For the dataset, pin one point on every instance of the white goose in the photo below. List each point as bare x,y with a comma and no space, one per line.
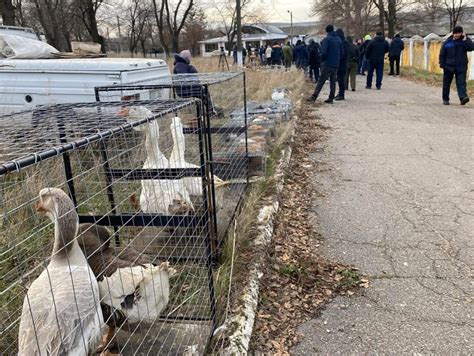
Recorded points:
164,196
177,159
61,311
132,289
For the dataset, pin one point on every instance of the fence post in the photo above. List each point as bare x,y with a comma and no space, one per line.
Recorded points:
471,71
412,51
426,57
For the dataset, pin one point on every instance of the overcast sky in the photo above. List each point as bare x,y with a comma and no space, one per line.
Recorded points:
278,10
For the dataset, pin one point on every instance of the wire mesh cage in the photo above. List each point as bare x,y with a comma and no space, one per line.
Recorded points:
135,176
220,94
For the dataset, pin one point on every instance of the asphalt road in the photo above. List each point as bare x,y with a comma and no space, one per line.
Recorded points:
397,173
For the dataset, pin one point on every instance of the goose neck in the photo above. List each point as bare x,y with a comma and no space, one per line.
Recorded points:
65,231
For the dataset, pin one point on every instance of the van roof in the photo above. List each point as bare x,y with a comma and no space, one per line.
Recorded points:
81,64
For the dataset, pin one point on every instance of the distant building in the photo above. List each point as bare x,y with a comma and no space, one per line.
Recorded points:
252,35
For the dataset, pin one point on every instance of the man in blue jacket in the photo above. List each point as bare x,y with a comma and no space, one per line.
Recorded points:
331,53
375,55
453,60
396,48
341,71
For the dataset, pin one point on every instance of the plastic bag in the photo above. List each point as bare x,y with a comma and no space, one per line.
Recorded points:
19,47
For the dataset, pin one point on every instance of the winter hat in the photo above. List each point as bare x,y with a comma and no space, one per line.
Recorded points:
186,55
379,33
329,28
349,38
340,33
458,29
367,38
397,35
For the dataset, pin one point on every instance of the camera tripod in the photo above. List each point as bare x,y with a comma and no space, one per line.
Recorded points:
223,62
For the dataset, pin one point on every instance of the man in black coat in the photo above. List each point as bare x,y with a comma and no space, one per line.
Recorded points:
453,60
353,57
375,55
396,48
314,50
342,70
331,53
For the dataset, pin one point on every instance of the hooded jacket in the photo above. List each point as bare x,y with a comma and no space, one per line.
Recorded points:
376,49
181,66
300,55
288,53
453,54
396,47
331,50
314,51
277,53
345,50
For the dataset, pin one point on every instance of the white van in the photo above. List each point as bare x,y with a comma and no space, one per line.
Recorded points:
26,83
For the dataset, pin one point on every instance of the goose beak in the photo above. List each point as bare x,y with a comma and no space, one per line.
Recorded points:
124,112
40,208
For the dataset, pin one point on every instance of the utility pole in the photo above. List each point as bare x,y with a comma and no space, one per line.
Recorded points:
240,60
119,34
291,30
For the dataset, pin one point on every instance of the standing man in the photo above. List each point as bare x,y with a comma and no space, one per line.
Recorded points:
342,70
277,54
375,55
268,54
287,56
363,48
314,52
352,63
300,55
453,60
331,53
396,48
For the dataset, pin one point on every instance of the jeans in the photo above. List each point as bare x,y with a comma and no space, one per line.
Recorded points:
314,72
326,73
341,81
378,67
460,83
365,65
351,73
394,60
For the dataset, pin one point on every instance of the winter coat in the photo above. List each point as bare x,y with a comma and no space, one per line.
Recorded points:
288,53
277,53
314,51
376,49
363,48
453,54
181,66
331,50
396,47
345,50
300,54
353,54
268,53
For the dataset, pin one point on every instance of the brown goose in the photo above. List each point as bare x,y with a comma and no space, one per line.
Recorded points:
131,288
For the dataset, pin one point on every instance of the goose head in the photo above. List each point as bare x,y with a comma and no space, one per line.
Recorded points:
136,113
59,208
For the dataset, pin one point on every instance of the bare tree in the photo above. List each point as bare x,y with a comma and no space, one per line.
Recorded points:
8,12
55,17
170,18
86,11
194,29
432,9
355,16
138,15
388,12
455,9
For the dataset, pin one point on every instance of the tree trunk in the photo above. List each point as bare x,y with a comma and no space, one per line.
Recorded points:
175,42
392,18
381,16
8,12
92,26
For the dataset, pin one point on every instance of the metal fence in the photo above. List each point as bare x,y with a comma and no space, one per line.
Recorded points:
142,179
220,95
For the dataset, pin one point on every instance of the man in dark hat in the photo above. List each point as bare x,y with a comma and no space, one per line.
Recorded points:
375,54
396,48
453,60
331,53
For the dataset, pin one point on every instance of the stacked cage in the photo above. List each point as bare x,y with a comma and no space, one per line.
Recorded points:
221,94
136,178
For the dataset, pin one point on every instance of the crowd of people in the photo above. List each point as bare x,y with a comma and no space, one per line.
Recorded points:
341,59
